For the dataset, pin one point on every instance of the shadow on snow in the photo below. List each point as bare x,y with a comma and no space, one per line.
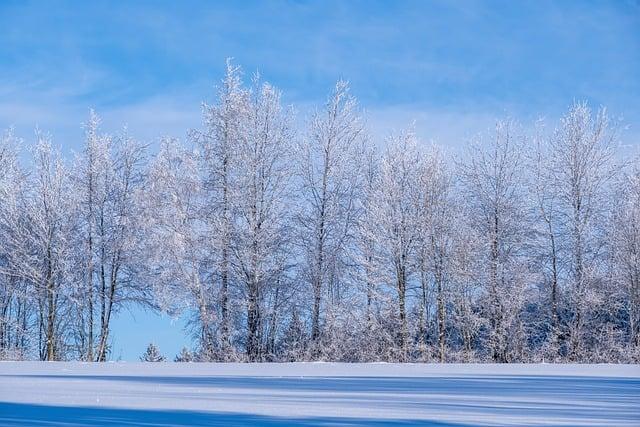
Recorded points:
15,414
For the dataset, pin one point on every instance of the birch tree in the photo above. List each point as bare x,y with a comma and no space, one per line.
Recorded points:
547,245
261,248
14,298
218,142
178,241
366,247
437,238
107,175
329,186
89,174
38,246
492,179
583,165
396,217
626,244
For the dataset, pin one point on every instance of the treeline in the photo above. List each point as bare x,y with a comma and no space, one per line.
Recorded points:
287,244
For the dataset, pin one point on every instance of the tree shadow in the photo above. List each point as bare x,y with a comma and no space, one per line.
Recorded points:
17,414
583,386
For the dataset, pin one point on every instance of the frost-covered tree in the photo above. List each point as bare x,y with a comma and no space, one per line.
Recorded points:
395,214
91,170
152,354
546,244
492,178
185,355
37,245
262,201
177,240
365,243
14,291
294,341
329,177
438,238
223,131
106,178
583,166
625,243
466,316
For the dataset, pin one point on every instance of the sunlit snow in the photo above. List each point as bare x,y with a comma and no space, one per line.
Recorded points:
168,394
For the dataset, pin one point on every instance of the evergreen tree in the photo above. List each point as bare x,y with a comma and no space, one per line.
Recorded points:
184,356
295,338
152,354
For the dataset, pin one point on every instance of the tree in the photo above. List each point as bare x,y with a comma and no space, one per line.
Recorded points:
106,177
466,317
583,166
365,242
626,252
14,291
493,187
295,339
184,356
90,169
329,176
37,246
152,354
218,142
395,214
177,243
546,236
438,238
261,245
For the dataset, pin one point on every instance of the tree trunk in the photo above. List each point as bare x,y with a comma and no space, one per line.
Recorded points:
224,270
441,321
317,283
253,324
555,324
104,327
90,261
319,267
253,319
424,318
51,310
578,278
497,333
401,284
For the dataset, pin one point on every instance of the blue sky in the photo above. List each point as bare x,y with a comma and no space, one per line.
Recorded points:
453,67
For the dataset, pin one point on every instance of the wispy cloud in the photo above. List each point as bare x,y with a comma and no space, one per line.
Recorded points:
450,66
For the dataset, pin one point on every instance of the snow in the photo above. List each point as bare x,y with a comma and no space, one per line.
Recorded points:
327,394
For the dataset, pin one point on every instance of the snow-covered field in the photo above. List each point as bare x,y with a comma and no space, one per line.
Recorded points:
166,394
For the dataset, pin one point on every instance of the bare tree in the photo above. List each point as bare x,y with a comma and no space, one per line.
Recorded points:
437,238
626,252
583,166
396,218
106,177
366,248
222,134
492,179
177,242
547,250
14,291
89,172
38,246
329,177
261,246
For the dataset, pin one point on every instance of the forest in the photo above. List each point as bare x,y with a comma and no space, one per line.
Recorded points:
302,240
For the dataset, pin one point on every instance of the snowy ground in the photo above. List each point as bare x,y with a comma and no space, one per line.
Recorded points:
126,394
